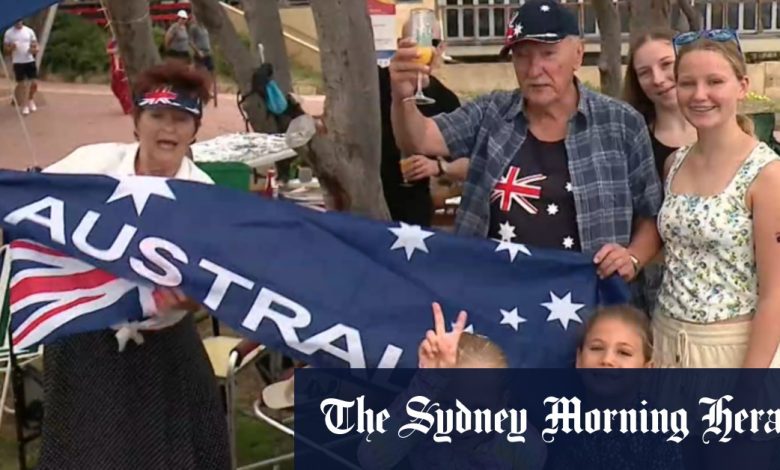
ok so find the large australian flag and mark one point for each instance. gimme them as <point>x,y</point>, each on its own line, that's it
<point>328,288</point>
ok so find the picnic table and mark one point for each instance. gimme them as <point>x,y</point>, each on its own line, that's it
<point>232,160</point>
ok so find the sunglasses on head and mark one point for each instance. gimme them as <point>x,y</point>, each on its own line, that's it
<point>717,35</point>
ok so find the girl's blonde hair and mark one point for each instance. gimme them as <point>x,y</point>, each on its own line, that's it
<point>629,315</point>
<point>476,348</point>
<point>733,56</point>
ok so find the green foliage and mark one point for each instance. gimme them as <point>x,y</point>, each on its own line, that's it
<point>159,37</point>
<point>221,64</point>
<point>76,48</point>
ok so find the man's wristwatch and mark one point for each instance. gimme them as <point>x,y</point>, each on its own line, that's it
<point>440,164</point>
<point>635,262</point>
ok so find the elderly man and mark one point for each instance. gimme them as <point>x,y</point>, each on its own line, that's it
<point>553,164</point>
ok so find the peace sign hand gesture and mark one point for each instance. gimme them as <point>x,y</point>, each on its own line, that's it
<point>439,349</point>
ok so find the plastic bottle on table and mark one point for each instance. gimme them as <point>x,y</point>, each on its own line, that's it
<point>271,185</point>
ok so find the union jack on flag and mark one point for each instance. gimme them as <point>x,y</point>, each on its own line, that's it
<point>54,295</point>
<point>162,96</point>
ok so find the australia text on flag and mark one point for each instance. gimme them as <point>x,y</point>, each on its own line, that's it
<point>328,288</point>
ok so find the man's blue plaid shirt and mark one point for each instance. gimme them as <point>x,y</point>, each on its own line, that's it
<point>610,161</point>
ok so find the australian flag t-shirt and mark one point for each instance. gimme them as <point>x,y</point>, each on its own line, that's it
<point>532,203</point>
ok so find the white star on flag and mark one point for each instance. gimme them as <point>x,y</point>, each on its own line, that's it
<point>569,186</point>
<point>518,30</point>
<point>562,309</point>
<point>468,329</point>
<point>545,7</point>
<point>513,249</point>
<point>552,209</point>
<point>506,231</point>
<point>512,318</point>
<point>568,243</point>
<point>410,238</point>
<point>141,188</point>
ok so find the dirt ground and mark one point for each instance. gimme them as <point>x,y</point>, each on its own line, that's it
<point>71,115</point>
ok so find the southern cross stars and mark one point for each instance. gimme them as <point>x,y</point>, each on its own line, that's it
<point>507,232</point>
<point>512,318</point>
<point>563,309</point>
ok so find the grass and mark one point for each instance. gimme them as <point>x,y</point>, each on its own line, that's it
<point>258,441</point>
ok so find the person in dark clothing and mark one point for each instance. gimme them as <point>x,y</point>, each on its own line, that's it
<point>650,87</point>
<point>144,396</point>
<point>409,199</point>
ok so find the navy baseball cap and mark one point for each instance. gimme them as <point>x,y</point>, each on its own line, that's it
<point>542,21</point>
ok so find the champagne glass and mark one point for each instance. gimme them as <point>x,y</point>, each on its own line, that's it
<point>422,21</point>
<point>405,162</point>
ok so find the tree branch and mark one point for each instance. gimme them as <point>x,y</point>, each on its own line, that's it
<point>349,154</point>
<point>133,27</point>
<point>608,19</point>
<point>243,62</point>
<point>265,27</point>
<point>693,16</point>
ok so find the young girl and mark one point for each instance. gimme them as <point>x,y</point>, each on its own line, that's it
<point>719,305</point>
<point>456,349</point>
<point>650,87</point>
<point>618,337</point>
<point>615,337</point>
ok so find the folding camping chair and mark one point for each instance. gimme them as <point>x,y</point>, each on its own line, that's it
<point>228,356</point>
<point>285,386</point>
<point>12,363</point>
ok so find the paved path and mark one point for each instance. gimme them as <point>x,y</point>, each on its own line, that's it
<point>71,115</point>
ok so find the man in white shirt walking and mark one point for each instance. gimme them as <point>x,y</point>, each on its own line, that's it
<point>20,41</point>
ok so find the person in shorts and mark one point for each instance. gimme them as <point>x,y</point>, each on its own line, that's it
<point>22,44</point>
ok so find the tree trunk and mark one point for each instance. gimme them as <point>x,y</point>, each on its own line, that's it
<point>133,27</point>
<point>648,14</point>
<point>608,19</point>
<point>242,61</point>
<point>265,27</point>
<point>349,155</point>
<point>691,14</point>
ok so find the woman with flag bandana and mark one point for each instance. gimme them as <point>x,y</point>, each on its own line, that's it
<point>151,403</point>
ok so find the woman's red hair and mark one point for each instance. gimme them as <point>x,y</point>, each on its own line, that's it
<point>174,74</point>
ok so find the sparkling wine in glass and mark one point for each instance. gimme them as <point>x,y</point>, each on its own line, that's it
<point>405,163</point>
<point>422,21</point>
